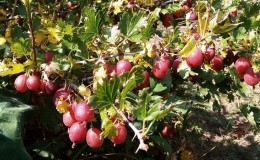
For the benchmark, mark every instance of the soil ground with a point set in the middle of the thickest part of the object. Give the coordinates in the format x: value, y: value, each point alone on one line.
x: 224, y: 136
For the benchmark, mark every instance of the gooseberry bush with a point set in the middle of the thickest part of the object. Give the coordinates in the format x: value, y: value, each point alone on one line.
x: 128, y: 70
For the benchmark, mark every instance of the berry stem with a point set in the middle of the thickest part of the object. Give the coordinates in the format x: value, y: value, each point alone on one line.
x: 29, y: 16
x: 142, y: 145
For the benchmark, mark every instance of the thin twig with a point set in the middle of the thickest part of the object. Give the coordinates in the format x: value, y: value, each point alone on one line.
x: 14, y: 7
x: 28, y: 10
x: 107, y: 57
x: 142, y: 145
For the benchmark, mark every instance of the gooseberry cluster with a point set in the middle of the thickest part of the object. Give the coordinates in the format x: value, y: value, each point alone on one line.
x: 77, y: 118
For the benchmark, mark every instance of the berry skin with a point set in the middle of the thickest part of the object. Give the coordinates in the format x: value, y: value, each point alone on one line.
x: 51, y: 87
x: 193, y: 79
x: 20, y: 83
x: 175, y: 65
x: 70, y: 5
x: 230, y: 57
x: 167, y: 20
x: 195, y: 59
x: 62, y: 92
x: 93, y: 138
x: 69, y: 118
x: 48, y: 57
x: 193, y: 16
x: 122, y: 134
x: 43, y: 84
x: 123, y: 66
x: 242, y: 64
x: 251, y: 78
x: 145, y: 82
x: 33, y: 83
x: 131, y: 5
x: 210, y: 53
x: 185, y: 8
x: 217, y: 63
x: 178, y: 12
x: 110, y: 69
x: 233, y: 13
x: 167, y: 131
x: 161, y: 67
x: 83, y: 112
x: 77, y: 132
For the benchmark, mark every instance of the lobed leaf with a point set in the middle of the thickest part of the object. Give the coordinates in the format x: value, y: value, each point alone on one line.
x: 131, y: 23
x: 21, y: 47
x: 105, y: 94
x: 108, y: 128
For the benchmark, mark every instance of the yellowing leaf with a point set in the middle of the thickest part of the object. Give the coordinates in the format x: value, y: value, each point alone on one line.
x: 145, y: 64
x: 62, y: 105
x: 2, y: 40
x: 84, y: 91
x: 39, y: 36
x: 52, y: 39
x: 189, y: 47
x: 108, y: 127
x: 202, y: 23
x: 221, y: 23
x: 223, y: 53
x: 8, y: 34
x: 117, y: 7
x: 7, y: 67
x: 69, y: 30
x: 44, y: 47
x: 53, y: 36
x: 26, y: 2
x: 137, y: 57
x: 100, y: 74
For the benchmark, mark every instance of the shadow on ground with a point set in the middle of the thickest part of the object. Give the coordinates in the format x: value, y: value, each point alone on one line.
x: 219, y: 139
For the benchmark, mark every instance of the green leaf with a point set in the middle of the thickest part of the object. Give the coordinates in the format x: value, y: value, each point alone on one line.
x: 108, y: 128
x: 175, y: 35
x: 131, y: 23
x: 12, y: 115
x: 21, y: 47
x: 93, y: 24
x: 156, y: 112
x: 149, y: 29
x: 161, y: 85
x: 180, y: 105
x: 184, y: 70
x: 163, y: 143
x: 240, y: 33
x: 159, y: 88
x: 252, y: 113
x: 221, y: 23
x: 141, y: 109
x: 130, y: 80
x: 105, y: 94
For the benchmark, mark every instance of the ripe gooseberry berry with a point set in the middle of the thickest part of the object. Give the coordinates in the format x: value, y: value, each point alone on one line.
x: 121, y: 134
x: 77, y: 132
x: 83, y: 112
x: 123, y: 66
x: 33, y: 82
x: 161, y: 67
x: 93, y: 138
x: 195, y: 59
x: 20, y: 83
x: 145, y: 82
x: 251, y: 78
